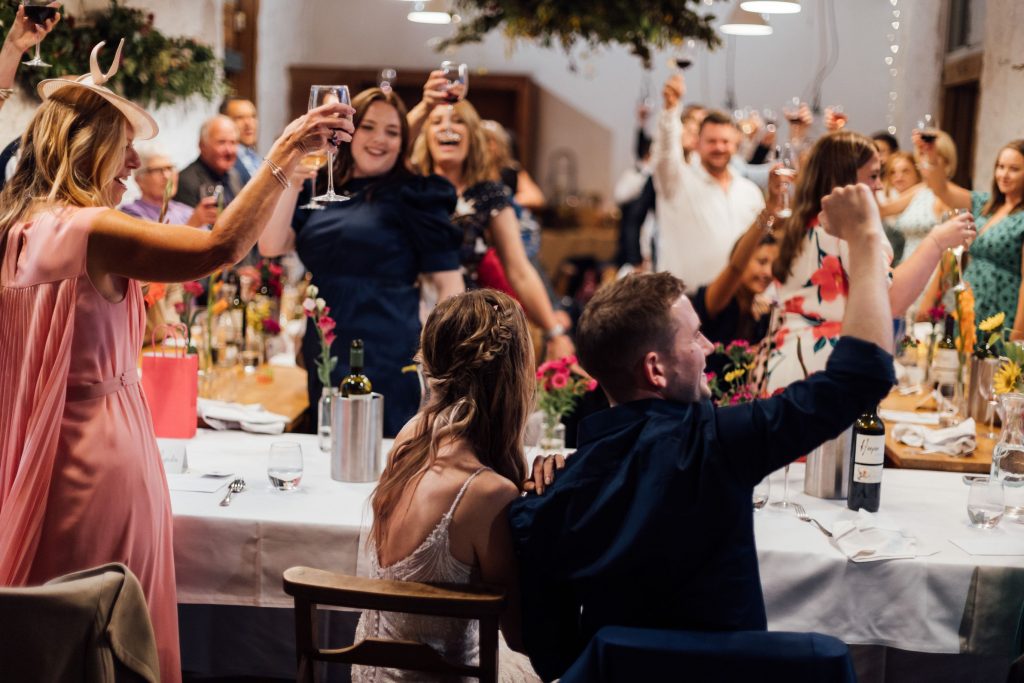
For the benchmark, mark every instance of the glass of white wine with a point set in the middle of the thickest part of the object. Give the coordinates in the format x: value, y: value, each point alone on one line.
x: 329, y: 94
x: 314, y: 161
x: 284, y: 465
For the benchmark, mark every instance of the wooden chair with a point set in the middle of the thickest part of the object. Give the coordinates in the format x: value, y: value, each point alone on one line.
x: 313, y: 587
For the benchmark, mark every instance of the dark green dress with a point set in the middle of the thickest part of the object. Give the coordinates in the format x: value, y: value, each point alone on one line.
x: 993, y: 269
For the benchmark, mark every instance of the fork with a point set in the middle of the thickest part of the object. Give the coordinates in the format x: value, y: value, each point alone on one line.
x: 802, y: 515
x: 236, y: 486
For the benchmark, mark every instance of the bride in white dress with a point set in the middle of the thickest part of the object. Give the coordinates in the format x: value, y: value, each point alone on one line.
x: 440, y: 509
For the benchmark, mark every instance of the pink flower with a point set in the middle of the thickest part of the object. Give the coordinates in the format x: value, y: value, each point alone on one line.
x: 194, y: 288
x: 271, y: 326
x: 795, y: 305
x: 570, y: 360
x: 559, y: 380
x: 179, y: 307
x: 275, y: 269
x: 329, y: 338
x: 591, y: 385
x: 544, y: 367
x: 309, y: 306
x: 831, y: 279
x: 325, y: 323
x: 937, y: 313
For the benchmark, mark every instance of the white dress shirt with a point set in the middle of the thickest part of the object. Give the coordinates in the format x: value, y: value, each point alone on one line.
x: 698, y: 219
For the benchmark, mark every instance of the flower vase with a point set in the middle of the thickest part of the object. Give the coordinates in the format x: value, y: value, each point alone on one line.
x: 323, y: 422
x: 552, y: 435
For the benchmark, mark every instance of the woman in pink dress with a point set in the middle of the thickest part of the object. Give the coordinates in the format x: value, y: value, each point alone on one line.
x: 81, y: 482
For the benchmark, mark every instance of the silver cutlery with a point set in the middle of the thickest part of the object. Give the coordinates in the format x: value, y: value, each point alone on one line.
x: 802, y: 515
x: 236, y: 486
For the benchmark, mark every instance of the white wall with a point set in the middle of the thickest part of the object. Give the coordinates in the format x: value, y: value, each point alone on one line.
x: 591, y: 110
x: 1002, y: 86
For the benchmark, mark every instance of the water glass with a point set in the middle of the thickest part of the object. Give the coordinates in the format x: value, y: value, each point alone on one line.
x: 284, y: 466
x: 762, y: 491
x: 985, y: 503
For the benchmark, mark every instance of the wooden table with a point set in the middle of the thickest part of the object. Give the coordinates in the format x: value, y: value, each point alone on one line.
x: 909, y: 457
x: 279, y: 389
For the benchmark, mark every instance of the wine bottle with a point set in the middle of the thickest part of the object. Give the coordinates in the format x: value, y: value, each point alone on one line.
x: 946, y: 364
x: 233, y: 295
x: 356, y: 384
x: 867, y: 455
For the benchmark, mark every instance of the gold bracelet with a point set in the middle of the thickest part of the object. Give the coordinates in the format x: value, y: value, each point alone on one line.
x: 278, y: 173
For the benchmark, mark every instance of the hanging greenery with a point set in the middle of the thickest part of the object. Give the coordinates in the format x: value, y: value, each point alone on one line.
x: 638, y: 24
x: 155, y: 69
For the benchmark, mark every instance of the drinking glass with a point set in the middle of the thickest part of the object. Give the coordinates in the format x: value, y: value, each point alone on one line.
x: 685, y: 57
x: 987, y: 389
x: 792, y: 110
x: 318, y: 96
x: 784, y: 156
x: 284, y: 465
x: 315, y: 161
x: 838, y: 114
x: 784, y: 503
x: 770, y: 119
x: 458, y: 85
x: 762, y: 491
x: 38, y: 12
x: 985, y: 503
x: 926, y: 127
x: 387, y: 77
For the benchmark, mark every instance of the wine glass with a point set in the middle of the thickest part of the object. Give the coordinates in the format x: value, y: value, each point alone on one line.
x: 784, y: 503
x: 38, y: 12
x: 784, y: 156
x: 838, y: 115
x: 458, y: 85
x: 284, y: 465
x: 987, y: 389
x: 329, y: 94
x: 387, y: 77
x: 762, y: 492
x: 685, y: 57
x: 926, y: 126
x: 315, y: 161
x: 792, y: 110
x: 770, y: 119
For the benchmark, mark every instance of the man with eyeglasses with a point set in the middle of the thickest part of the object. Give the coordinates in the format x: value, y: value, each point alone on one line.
x: 155, y: 171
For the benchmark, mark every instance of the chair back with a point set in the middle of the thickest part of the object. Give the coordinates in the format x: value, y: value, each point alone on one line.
x: 618, y: 653
x: 312, y: 588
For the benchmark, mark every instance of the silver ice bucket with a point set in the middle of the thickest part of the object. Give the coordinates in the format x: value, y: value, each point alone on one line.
x: 357, y: 433
x: 828, y: 467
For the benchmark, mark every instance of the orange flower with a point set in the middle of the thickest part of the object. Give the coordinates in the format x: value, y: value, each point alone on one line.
x: 827, y: 329
x: 831, y: 279
x: 155, y: 291
x: 965, y: 316
x: 795, y: 305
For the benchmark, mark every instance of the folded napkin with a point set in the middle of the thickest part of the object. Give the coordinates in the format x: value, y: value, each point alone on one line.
x: 958, y: 440
x: 221, y: 415
x: 909, y: 417
x: 868, y: 537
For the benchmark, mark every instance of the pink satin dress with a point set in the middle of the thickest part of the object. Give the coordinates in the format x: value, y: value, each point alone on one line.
x: 81, y: 482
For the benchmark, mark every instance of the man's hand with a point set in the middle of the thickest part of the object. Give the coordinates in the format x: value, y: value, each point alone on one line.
x: 674, y: 91
x: 850, y: 213
x: 25, y: 33
x: 205, y: 213
x: 543, y: 472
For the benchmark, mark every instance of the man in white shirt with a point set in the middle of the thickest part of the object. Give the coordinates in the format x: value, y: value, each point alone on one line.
x: 703, y: 208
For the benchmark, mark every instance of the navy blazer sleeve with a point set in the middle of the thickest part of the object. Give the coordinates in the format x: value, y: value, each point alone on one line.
x: 762, y: 436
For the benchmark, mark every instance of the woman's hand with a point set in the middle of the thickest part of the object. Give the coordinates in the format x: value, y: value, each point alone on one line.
x: 958, y: 230
x: 326, y: 126
x: 26, y: 33
x: 434, y: 90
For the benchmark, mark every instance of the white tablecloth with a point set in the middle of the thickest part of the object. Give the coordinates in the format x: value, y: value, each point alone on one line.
x: 235, y: 555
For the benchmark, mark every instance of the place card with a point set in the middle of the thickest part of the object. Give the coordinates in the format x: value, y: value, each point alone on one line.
x: 174, y: 455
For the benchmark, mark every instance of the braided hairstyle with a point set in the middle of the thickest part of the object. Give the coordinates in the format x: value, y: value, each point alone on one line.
x: 478, y: 360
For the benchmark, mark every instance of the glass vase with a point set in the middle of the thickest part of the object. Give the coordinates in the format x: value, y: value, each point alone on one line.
x: 323, y: 420
x: 552, y: 435
x: 1008, y: 455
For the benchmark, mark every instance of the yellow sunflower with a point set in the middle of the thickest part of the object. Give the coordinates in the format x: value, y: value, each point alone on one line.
x: 734, y: 375
x: 1007, y: 376
x: 992, y: 322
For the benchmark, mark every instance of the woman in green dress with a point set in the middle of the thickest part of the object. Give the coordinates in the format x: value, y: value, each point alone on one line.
x: 996, y: 256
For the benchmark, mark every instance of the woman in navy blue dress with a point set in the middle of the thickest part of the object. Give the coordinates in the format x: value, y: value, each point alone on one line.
x: 366, y: 255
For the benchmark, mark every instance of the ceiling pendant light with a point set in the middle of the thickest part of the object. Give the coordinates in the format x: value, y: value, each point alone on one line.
x: 744, y: 23
x: 771, y: 6
x: 430, y: 12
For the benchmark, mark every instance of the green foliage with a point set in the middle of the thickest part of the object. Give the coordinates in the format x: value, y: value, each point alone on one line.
x: 155, y: 69
x: 638, y: 24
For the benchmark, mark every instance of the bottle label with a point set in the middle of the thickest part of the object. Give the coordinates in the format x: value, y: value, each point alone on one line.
x: 945, y: 366
x: 868, y: 458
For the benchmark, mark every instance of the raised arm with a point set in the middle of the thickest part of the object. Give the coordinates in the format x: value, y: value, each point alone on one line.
x: 667, y: 147
x: 504, y: 234
x: 933, y: 170
x: 911, y: 276
x: 122, y: 245
x: 433, y: 95
x: 278, y: 238
x: 898, y: 205
x: 24, y: 34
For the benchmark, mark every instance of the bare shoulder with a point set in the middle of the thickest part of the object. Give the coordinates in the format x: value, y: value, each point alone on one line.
x: 490, y: 492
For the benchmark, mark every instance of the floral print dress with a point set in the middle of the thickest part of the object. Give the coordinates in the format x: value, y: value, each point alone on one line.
x: 807, y: 323
x: 993, y: 268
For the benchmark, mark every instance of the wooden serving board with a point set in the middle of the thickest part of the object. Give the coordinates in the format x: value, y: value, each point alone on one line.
x: 908, y: 457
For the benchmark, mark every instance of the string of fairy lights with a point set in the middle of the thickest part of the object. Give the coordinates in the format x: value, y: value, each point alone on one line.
x: 891, y: 60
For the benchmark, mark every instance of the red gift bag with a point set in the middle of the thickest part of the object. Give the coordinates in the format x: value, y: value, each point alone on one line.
x: 170, y: 381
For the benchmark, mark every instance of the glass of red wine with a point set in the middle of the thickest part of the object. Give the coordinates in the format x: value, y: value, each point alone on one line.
x: 458, y: 85
x: 38, y: 12
x: 685, y: 57
x: 329, y: 94
x: 792, y: 110
x: 929, y: 133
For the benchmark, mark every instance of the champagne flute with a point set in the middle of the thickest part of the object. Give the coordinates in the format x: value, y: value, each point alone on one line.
x: 316, y: 161
x: 458, y: 85
x: 784, y: 156
x: 38, y: 12
x: 329, y: 94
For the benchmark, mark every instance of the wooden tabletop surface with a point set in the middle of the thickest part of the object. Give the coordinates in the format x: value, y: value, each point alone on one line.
x: 902, y: 455
x: 280, y: 390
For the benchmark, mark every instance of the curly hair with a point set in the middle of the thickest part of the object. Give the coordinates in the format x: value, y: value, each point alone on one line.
x: 478, y: 359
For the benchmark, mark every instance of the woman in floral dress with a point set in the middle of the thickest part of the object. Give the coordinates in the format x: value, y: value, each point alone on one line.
x: 811, y: 270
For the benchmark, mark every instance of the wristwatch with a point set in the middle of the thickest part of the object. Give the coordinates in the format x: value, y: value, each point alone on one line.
x: 556, y: 331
